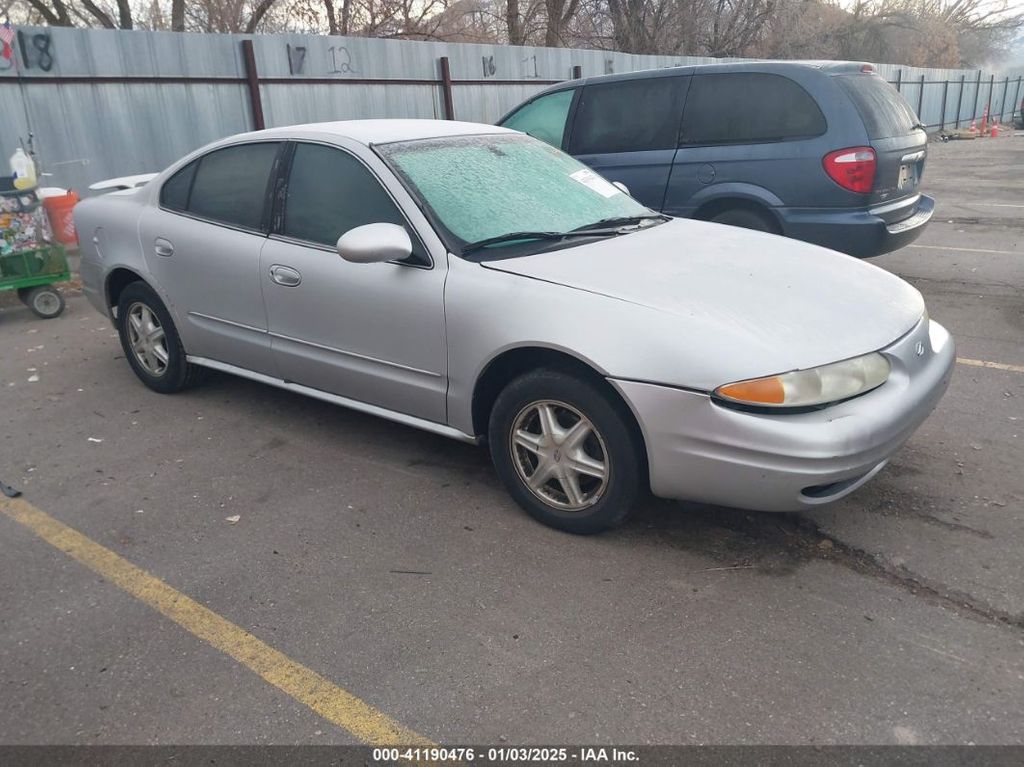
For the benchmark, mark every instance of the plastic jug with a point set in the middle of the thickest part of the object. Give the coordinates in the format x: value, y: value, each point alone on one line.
x: 23, y: 169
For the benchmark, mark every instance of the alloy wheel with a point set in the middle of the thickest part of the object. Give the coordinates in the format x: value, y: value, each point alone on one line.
x: 147, y: 339
x: 559, y: 455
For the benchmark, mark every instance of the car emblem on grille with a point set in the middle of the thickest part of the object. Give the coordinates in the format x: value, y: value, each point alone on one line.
x: 919, y: 348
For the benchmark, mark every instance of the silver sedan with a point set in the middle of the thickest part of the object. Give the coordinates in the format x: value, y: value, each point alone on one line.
x: 477, y: 283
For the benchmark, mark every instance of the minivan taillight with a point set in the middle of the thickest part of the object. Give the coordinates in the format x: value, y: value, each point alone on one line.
x: 852, y: 168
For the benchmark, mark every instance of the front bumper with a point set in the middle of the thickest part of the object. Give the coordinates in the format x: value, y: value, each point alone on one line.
x: 699, y: 450
x: 862, y: 233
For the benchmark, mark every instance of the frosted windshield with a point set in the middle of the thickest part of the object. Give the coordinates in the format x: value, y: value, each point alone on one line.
x: 480, y: 187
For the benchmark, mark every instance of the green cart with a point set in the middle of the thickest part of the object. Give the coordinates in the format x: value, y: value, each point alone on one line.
x: 32, y: 273
x: 30, y: 261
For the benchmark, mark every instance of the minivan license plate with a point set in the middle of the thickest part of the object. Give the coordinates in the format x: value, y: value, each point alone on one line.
x: 906, y: 176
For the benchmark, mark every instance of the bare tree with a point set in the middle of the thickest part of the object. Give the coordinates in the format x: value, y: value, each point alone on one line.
x: 243, y: 16
x: 948, y: 33
x: 56, y: 13
x: 559, y: 14
x: 177, y: 15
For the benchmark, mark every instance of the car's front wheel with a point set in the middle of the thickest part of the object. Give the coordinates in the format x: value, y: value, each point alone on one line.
x: 566, y: 452
x: 150, y: 341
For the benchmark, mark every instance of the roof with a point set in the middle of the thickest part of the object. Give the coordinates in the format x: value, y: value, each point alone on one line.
x: 381, y: 131
x: 776, y: 66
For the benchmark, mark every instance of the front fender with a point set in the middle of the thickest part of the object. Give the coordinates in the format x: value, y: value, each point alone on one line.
x: 488, y: 313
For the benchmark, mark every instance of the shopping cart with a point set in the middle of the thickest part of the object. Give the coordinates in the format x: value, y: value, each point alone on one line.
x: 30, y: 261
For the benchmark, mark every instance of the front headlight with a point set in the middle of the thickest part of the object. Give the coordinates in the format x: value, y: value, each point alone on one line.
x: 806, y: 388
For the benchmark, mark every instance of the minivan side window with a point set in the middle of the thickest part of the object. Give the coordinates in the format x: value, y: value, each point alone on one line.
x: 628, y: 116
x: 748, y: 108
x: 543, y: 118
x: 230, y: 184
x: 331, y: 192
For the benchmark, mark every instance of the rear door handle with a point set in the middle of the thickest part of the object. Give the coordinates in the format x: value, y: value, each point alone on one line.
x: 285, y: 275
x: 163, y: 247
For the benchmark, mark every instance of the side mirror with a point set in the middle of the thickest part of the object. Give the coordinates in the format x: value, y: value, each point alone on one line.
x: 621, y: 187
x: 375, y: 243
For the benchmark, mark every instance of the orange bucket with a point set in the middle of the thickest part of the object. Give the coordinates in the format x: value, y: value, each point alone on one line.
x: 59, y: 211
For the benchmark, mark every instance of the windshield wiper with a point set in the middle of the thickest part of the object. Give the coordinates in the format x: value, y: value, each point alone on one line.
x: 469, y: 247
x: 516, y: 236
x: 619, y: 221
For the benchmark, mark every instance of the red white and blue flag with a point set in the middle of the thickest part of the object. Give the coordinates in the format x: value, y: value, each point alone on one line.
x: 7, y: 37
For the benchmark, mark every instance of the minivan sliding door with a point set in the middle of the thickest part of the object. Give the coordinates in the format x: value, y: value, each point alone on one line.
x: 626, y: 130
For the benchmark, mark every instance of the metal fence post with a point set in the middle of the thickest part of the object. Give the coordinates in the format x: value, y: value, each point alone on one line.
x: 920, y: 99
x: 991, y: 87
x: 899, y: 79
x: 1002, y: 104
x: 959, y: 100
x: 977, y: 92
x: 446, y: 89
x: 942, y: 114
x: 577, y: 72
x: 252, y: 80
x: 1016, y: 100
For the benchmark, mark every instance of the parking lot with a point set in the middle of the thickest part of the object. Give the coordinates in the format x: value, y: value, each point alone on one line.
x: 385, y: 570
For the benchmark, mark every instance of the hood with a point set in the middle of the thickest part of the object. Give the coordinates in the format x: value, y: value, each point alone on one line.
x: 787, y: 304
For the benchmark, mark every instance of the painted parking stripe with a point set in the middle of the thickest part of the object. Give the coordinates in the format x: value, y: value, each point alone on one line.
x: 968, y: 250
x: 993, y: 365
x: 301, y: 683
x: 995, y: 205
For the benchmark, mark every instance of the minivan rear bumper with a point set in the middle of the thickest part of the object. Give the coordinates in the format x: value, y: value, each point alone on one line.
x: 859, y: 232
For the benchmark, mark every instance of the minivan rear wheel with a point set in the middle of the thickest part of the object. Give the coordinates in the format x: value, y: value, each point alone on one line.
x: 747, y: 219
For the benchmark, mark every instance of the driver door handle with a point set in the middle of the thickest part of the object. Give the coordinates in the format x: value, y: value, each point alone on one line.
x: 285, y: 275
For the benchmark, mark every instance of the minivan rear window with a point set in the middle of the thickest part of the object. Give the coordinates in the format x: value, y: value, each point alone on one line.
x: 884, y: 111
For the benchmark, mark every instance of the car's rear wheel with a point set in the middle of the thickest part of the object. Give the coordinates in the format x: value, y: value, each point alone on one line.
x: 150, y: 341
x: 566, y: 453
x: 747, y: 219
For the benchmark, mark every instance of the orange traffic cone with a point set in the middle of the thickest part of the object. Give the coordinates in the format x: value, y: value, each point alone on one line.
x: 984, y: 121
x: 974, y: 126
x: 995, y: 130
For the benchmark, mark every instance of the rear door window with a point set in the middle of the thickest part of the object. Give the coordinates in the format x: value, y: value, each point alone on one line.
x: 748, y: 108
x: 628, y: 116
x: 230, y: 184
x: 884, y: 111
x: 543, y: 118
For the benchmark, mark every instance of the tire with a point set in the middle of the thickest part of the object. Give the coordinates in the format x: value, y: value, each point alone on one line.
x: 143, y: 320
x: 746, y: 219
x: 595, y: 504
x: 45, y: 301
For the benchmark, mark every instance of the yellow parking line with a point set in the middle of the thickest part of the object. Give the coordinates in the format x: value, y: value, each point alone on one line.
x: 987, y: 364
x: 303, y: 684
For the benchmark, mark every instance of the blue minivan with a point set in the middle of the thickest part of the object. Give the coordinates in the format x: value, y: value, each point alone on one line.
x: 826, y: 152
